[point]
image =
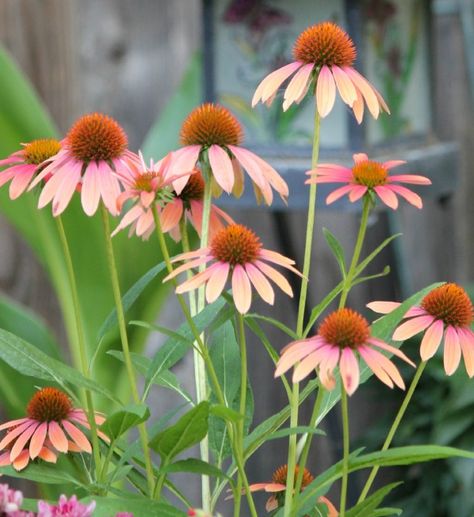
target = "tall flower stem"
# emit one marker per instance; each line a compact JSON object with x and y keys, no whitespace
{"x":394,"y":428}
{"x":81,"y":341}
{"x":125,"y":345}
{"x":186,"y":248}
{"x":207,"y":362}
{"x":345,"y":445}
{"x":300,"y":318}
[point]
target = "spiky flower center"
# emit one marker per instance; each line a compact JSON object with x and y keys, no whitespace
{"x":48,"y":405}
{"x":345,"y":328}
{"x":37,"y":151}
{"x":325,"y":44}
{"x":236,"y":244}
{"x":369,"y":173}
{"x":194,"y":189}
{"x":96,"y":137}
{"x":210,"y":124}
{"x":144,"y":182}
{"x":280,"y":474}
{"x":451,"y":304}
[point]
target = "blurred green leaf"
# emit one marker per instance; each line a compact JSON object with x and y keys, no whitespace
{"x":366,"y":508}
{"x":139,"y":507}
{"x":121,"y":421}
{"x":336,"y":249}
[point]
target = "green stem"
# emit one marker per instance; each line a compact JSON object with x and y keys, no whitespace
{"x":357,"y":250}
{"x":393,"y":429}
{"x":345,"y":458}
{"x":300,"y":318}
{"x":142,"y":430}
{"x":81,"y":342}
{"x":183,"y":229}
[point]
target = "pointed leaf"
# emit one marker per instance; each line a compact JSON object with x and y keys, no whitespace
{"x":121,"y":421}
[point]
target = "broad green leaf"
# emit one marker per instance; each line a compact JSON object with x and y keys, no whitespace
{"x":189,"y":430}
{"x":139,"y":507}
{"x":121,"y":421}
{"x":366,"y":508}
{"x":193,"y":465}
{"x":43,"y":473}
{"x":225,"y":413}
{"x":337,"y":250}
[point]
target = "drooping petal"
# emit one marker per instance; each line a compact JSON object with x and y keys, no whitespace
{"x":22,"y":460}
{"x":17,"y":431}
{"x":325,"y":91}
{"x":452,"y":350}
{"x":21,"y":442}
{"x":412,"y":327}
{"x":66,"y":189}
{"x":270,"y":84}
{"x":171,"y":215}
{"x":37,"y":440}
{"x":187,"y":265}
{"x":109,"y":187}
{"x":77,"y":436}
{"x":274,"y":256}
{"x":389,"y":367}
{"x":372,"y":362}
{"x":387,"y":196}
{"x":241,"y":289}
{"x":90,"y":193}
{"x":20,"y":182}
{"x":222,"y":168}
{"x":358,"y":107}
{"x":261,"y":284}
{"x":194,"y":282}
{"x":57,"y":437}
{"x":345,"y":86}
{"x":356,"y":192}
{"x":297,"y":86}
{"x":309,"y":364}
{"x":349,"y":368}
{"x":389,"y":348}
{"x":366,"y":89}
{"x":216,"y":283}
{"x":338,"y":193}
{"x":47,"y":455}
{"x":413,"y":198}
{"x":276,"y":276}
{"x":293,"y":353}
{"x":383,"y":307}
{"x":466,"y":339}
{"x":431,"y":340}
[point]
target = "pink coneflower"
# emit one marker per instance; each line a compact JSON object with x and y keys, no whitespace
{"x":368,"y":176}
{"x":10,"y":501}
{"x":277,"y":487}
{"x":92,"y":151}
{"x":238,"y":252}
{"x":444,"y":313}
{"x":50,"y":428}
{"x":325,"y":53}
{"x":189,"y":204}
{"x":212,"y":130}
{"x":341,"y":334}
{"x":24,"y":164}
{"x":66,"y":508}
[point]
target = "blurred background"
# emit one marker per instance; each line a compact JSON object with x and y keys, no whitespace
{"x":149,"y":62}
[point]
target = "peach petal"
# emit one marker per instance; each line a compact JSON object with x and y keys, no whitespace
{"x":391,"y":349}
{"x":331,"y":508}
{"x":297,"y":86}
{"x":387,"y":196}
{"x":272,"y":176}
{"x":349,"y":368}
{"x":466,"y":340}
{"x":22,"y":460}
{"x":261,"y":284}
{"x":270,"y":84}
{"x":47,"y":455}
{"x":90,"y":193}
{"x":366,"y":89}
{"x":409,"y":195}
{"x":357,"y":191}
{"x":194,"y":282}
{"x":145,"y":222}
{"x":14,"y":423}
{"x":383,"y":307}
{"x":431,"y":340}
{"x":109,"y":187}
{"x":131,"y":216}
{"x":389,"y":368}
{"x":188,"y":265}
{"x":307,"y":365}
{"x":452,"y":350}
{"x":57,"y":437}
{"x":17,"y":431}
{"x":338,"y":193}
{"x":171,"y":215}
{"x":412,"y":327}
{"x":325,"y":91}
{"x":358,"y":107}
{"x":276,"y":276}
{"x":274,"y":256}
{"x":326,"y":368}
{"x":346,"y":89}
{"x":239,"y":182}
{"x":77,"y":436}
{"x":271,"y":504}
{"x":327,"y":179}
{"x":415,"y":311}
{"x":413,"y":179}
{"x":293,"y":353}
{"x":21,"y":442}
{"x":20,"y":182}
{"x":37,"y":440}
{"x":274,"y":487}
{"x":221,"y":166}
{"x":190,"y":254}
{"x":51,"y":187}
{"x":374,"y":365}
{"x":216,"y":283}
{"x":247,"y":161}
{"x":5,"y":459}
{"x":184,"y":160}
{"x":241,"y":289}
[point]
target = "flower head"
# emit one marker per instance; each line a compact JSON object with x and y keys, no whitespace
{"x":10,"y":501}
{"x":342,"y":336}
{"x":238,"y":252}
{"x":189,"y":204}
{"x":445,"y":314}
{"x":368,"y":176}
{"x":212,"y":134}
{"x":24,"y":164}
{"x":323,"y":53}
{"x":92,"y":152}
{"x":49,"y":428}
{"x":66,"y":508}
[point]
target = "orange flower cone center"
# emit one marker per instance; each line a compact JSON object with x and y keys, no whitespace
{"x":280,"y":475}
{"x":194,"y":189}
{"x":97,"y":137}
{"x":210,"y":124}
{"x":345,"y":328}
{"x":325,"y":44}
{"x":37,"y":151}
{"x":451,"y":304}
{"x":236,"y":244}
{"x":370,"y":174}
{"x":144,"y":182}
{"x":49,"y":404}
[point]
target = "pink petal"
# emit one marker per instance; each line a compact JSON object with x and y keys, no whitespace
{"x":37,"y":440}
{"x":145,"y":222}
{"x":261,"y":284}
{"x":57,"y":437}
{"x":408,"y":194}
{"x":20,"y":182}
{"x":65,"y":191}
{"x":325,"y":91}
{"x":216,"y":283}
{"x":247,"y":160}
{"x":349,"y":368}
{"x":51,"y":187}
{"x":358,"y":108}
{"x":187,"y":265}
{"x":276,"y":276}
{"x":326,"y":368}
{"x":373,"y":363}
{"x":131,"y":216}
{"x":17,"y":431}
{"x":14,"y":423}
{"x":389,"y":348}
{"x":241,"y":289}
{"x":171,"y":215}
{"x":414,"y":179}
{"x":194,"y":282}
{"x":390,"y":164}
{"x":47,"y":455}
{"x":383,"y":307}
{"x":431,"y":340}
{"x":274,"y":256}
{"x":90,"y":194}
{"x":22,"y":460}
{"x":77,"y":436}
{"x":190,"y":254}
{"x":274,"y":487}
{"x":109,"y":187}
{"x":357,"y":191}
{"x":338,"y":193}
{"x":271,"y":176}
{"x":270,"y":84}
{"x":452,"y":350}
{"x":466,"y":339}
{"x":297,"y":86}
{"x":366,"y":89}
{"x":222,"y":168}
{"x":387,"y":196}
{"x":411,"y":327}
{"x":21,"y":442}
{"x":346,"y":89}
{"x":309,"y":364}
{"x":390,"y":368}
{"x":184,"y":160}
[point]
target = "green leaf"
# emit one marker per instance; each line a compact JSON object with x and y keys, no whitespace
{"x":278,"y":324}
{"x":130,"y":297}
{"x":361,"y":279}
{"x":301,"y":429}
{"x":195,"y":466}
{"x":161,"y":329}
{"x":28,"y":360}
{"x":225,"y":413}
{"x":372,"y":255}
{"x":42,"y":473}
{"x":337,"y":250}
{"x":121,"y":421}
{"x":189,"y":430}
{"x":366,"y":508}
{"x":385,"y":512}
{"x":139,"y":507}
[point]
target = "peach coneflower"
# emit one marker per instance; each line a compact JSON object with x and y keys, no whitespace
{"x":214,"y":129}
{"x":340,"y":337}
{"x":238,"y":252}
{"x":24,"y":164}
{"x":50,"y":428}
{"x":92,"y":151}
{"x":323,"y":52}
{"x":446,"y":313}
{"x":189,"y":204}
{"x":368,"y":176}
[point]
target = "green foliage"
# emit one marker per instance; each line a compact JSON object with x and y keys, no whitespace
{"x":121,"y":421}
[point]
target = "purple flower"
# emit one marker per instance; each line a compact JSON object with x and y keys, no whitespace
{"x":65,"y":508}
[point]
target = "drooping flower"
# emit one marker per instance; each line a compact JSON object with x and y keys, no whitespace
{"x":277,"y":487}
{"x":24,"y":164}
{"x":342,"y":336}
{"x":237,"y":252}
{"x":49,"y":428}
{"x":445,"y":314}
{"x":189,"y":204}
{"x":323,"y":54}
{"x":93,"y":150}
{"x":66,"y":508}
{"x":212,"y":130}
{"x":368,"y":176}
